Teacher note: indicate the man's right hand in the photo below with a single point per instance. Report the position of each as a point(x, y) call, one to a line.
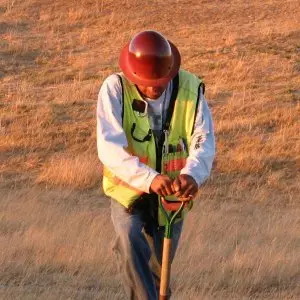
point(162, 185)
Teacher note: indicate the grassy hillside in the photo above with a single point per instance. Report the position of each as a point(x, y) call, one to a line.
point(242, 240)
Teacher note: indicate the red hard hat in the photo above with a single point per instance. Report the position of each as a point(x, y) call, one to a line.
point(149, 59)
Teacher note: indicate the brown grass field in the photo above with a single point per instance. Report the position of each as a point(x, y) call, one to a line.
point(242, 239)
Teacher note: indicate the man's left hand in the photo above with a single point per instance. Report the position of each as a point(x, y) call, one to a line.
point(185, 186)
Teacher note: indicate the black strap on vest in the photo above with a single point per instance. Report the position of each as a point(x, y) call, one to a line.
point(167, 123)
point(201, 85)
point(172, 102)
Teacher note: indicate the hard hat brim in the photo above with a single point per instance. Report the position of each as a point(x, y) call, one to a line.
point(139, 80)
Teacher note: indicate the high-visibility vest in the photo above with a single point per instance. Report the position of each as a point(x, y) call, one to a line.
point(178, 130)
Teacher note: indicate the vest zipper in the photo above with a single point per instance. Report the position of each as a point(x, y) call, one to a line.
point(165, 148)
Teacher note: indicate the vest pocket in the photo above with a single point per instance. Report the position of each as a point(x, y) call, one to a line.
point(139, 135)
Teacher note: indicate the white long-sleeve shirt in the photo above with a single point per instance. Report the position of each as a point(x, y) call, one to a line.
point(112, 141)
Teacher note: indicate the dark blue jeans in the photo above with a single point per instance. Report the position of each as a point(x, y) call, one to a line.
point(138, 250)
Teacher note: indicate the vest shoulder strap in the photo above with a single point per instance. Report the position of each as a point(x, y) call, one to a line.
point(201, 90)
point(172, 102)
point(122, 97)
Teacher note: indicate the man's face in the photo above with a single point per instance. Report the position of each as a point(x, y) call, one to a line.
point(152, 92)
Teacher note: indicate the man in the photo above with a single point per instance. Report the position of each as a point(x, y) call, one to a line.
point(155, 139)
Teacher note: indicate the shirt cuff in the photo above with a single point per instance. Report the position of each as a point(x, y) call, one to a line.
point(152, 175)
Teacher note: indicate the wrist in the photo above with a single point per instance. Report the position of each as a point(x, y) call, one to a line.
point(193, 178)
point(153, 177)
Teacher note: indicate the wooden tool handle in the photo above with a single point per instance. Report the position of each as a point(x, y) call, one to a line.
point(165, 269)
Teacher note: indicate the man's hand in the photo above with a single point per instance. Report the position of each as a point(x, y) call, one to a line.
point(162, 185)
point(185, 187)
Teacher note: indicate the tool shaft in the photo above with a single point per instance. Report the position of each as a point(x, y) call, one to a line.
point(165, 269)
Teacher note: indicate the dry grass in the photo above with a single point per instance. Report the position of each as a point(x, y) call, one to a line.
point(81, 171)
point(55, 232)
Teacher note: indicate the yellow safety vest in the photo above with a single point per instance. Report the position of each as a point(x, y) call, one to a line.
point(141, 142)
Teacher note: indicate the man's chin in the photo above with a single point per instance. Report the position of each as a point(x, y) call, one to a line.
point(154, 96)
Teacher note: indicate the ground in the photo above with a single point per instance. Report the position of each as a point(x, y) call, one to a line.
point(242, 239)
